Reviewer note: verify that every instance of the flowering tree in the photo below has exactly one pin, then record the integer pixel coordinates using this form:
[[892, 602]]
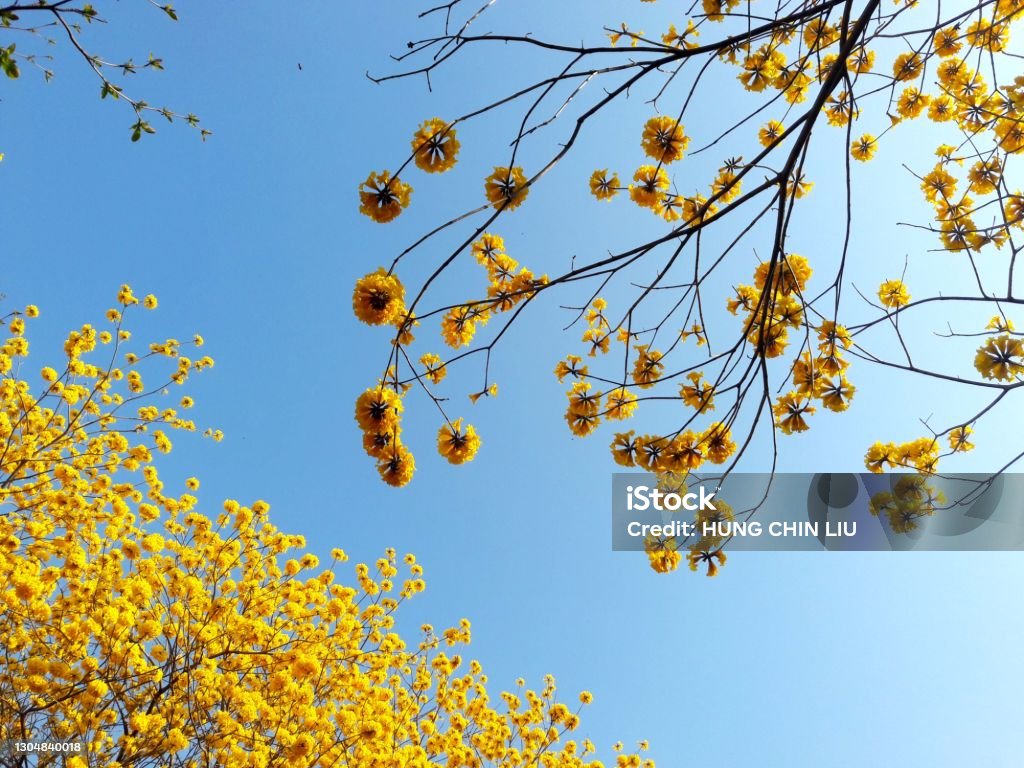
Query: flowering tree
[[861, 69], [138, 631], [42, 25]]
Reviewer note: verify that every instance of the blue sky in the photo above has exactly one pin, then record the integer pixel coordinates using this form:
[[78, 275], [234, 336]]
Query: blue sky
[[253, 239]]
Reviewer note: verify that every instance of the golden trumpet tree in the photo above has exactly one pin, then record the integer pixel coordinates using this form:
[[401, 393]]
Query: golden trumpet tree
[[148, 633], [738, 105]]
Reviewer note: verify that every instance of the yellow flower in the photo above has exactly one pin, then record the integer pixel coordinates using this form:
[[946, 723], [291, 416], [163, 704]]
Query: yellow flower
[[1013, 209], [878, 455], [624, 448], [648, 367], [458, 326], [382, 197], [651, 182], [938, 185], [376, 444], [599, 340], [958, 439], [1010, 133], [893, 293], [663, 556], [941, 109], [125, 296], [603, 186], [404, 324], [999, 323], [378, 409], [506, 187], [713, 560], [581, 423], [864, 148], [582, 400], [718, 443], [683, 454], [986, 35], [435, 369], [620, 404], [912, 103], [434, 146], [678, 39], [840, 109], [488, 250], [907, 66], [304, 666], [759, 71], [789, 412], [985, 175], [788, 275], [1000, 358], [149, 302], [379, 298], [947, 41], [819, 34], [698, 394], [456, 444], [396, 466], [862, 60], [664, 139], [799, 187], [770, 133], [836, 394], [570, 367], [633, 36]]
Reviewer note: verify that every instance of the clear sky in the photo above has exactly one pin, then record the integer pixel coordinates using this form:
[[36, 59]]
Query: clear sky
[[254, 240]]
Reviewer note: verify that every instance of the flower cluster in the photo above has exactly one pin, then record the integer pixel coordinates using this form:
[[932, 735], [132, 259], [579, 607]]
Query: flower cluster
[[137, 625], [435, 148], [378, 414], [910, 499], [383, 196], [774, 304], [682, 452], [803, 70], [664, 553], [379, 299], [921, 454], [508, 284]]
